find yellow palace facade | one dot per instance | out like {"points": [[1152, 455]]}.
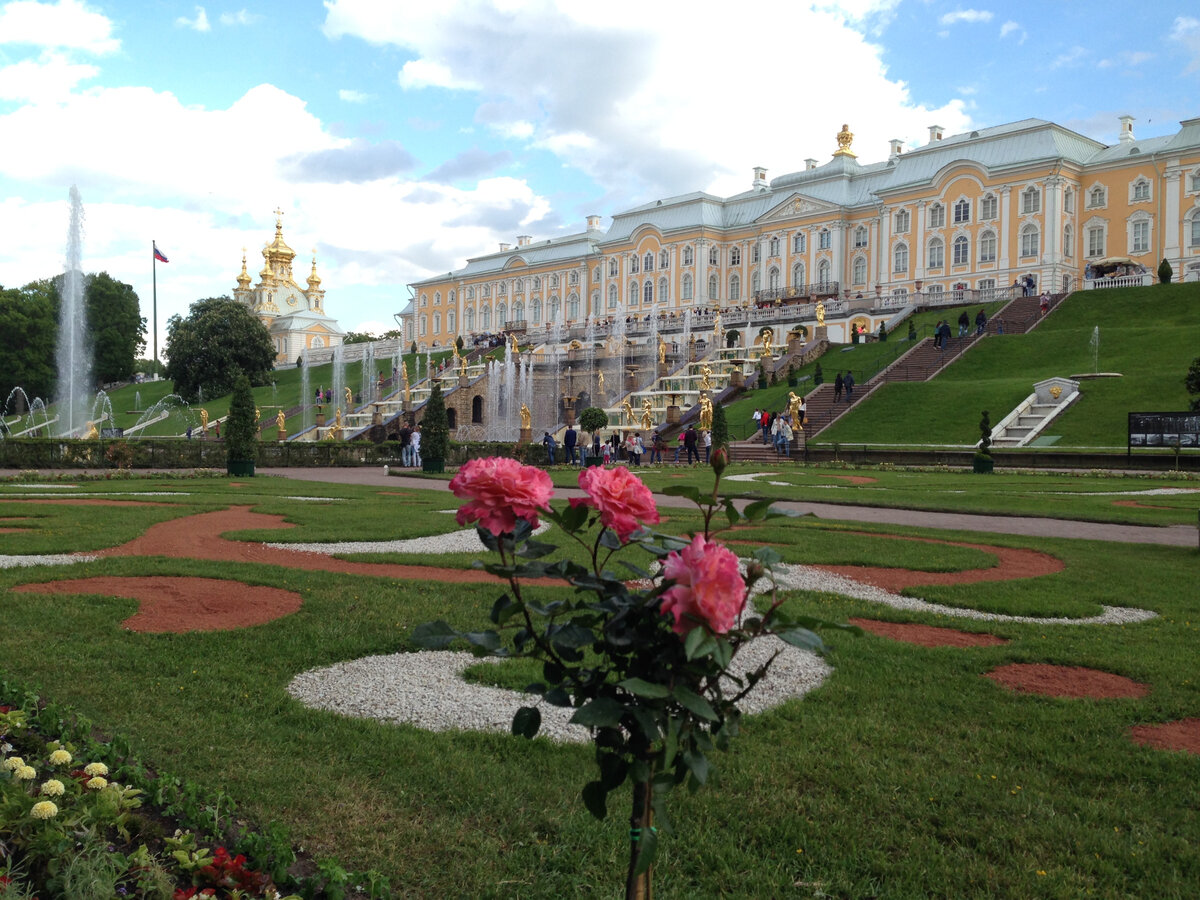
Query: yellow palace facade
{"points": [[969, 212]]}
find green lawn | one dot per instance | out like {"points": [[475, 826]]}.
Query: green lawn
{"points": [[905, 775]]}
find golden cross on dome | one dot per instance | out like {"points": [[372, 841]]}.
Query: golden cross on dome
{"points": [[278, 217]]}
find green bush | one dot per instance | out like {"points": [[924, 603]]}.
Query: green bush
{"points": [[435, 426], [593, 419], [1165, 272], [241, 431]]}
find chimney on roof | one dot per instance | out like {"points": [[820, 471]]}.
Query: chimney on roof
{"points": [[1126, 129], [810, 164], [593, 223], [504, 246], [897, 147], [524, 240], [760, 177], [935, 133]]}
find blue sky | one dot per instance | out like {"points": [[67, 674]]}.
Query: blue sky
{"points": [[401, 138]]}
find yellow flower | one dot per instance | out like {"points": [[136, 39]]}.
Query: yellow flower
{"points": [[25, 773], [44, 810], [96, 769], [13, 763], [97, 784], [60, 758], [53, 788]]}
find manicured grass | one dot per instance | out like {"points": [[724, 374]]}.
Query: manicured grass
{"points": [[905, 775]]}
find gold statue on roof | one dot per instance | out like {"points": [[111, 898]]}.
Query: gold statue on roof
{"points": [[845, 137]]}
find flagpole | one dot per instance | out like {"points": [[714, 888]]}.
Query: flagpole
{"points": [[154, 281]]}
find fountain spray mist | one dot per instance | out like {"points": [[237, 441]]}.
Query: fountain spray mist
{"points": [[74, 355]]}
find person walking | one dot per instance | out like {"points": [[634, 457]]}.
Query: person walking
{"points": [[657, 446], [707, 445], [839, 385], [945, 334], [596, 444], [689, 444], [964, 323], [765, 421], [980, 321], [777, 434], [550, 444], [937, 335], [848, 384], [786, 433], [679, 444], [569, 441], [406, 433], [415, 440]]}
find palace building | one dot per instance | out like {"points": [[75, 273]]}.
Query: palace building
{"points": [[294, 315], [966, 212]]}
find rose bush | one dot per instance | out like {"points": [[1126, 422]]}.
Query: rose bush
{"points": [[644, 663]]}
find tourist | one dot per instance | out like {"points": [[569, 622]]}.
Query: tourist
{"points": [[944, 333], [964, 323], [606, 452], [980, 321], [550, 444], [415, 440], [596, 444], [839, 384], [786, 434], [803, 412], [569, 441], [406, 454], [765, 422], [631, 450], [1044, 304], [757, 417], [657, 446], [848, 381], [679, 445], [689, 444], [707, 445]]}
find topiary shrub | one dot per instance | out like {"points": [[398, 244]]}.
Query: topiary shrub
{"points": [[720, 427], [241, 431], [1165, 272], [983, 462], [883, 331], [593, 420], [818, 375], [435, 426]]}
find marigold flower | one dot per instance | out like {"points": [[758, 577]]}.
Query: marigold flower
{"points": [[53, 788], [60, 758], [501, 492], [96, 769], [97, 783], [620, 496], [25, 773], [708, 587], [44, 809], [13, 763]]}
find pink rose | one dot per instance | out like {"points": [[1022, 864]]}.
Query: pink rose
{"points": [[621, 497], [708, 588], [501, 491]]}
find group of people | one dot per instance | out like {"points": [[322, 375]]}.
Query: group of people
{"points": [[410, 445], [843, 383], [964, 322], [632, 447], [779, 429]]}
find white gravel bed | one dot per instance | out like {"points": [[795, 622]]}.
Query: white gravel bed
{"points": [[105, 495], [318, 499], [465, 541], [50, 559]]}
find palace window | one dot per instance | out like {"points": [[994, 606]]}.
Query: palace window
{"points": [[422, 326], [487, 290], [774, 246], [1139, 191], [1095, 241], [537, 279], [519, 286], [735, 256], [451, 321], [555, 308], [518, 312], [469, 318], [633, 293], [1096, 198], [714, 256], [648, 292], [437, 323], [713, 287], [664, 259], [424, 300], [635, 264], [1194, 240], [902, 220], [437, 298], [686, 287], [553, 281], [612, 268], [1068, 201], [773, 279], [860, 236], [1031, 201], [962, 212], [662, 290], [1139, 236], [572, 308], [937, 215], [501, 314], [535, 312], [755, 283], [824, 239], [573, 279], [962, 250], [688, 256], [755, 252], [1195, 180], [934, 291], [648, 263], [987, 246], [900, 259], [823, 273], [735, 288], [612, 296], [800, 241], [935, 256], [596, 274], [470, 293], [502, 290], [798, 275], [1068, 241], [1030, 241], [860, 270], [988, 207]]}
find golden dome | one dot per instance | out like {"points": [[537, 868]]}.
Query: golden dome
{"points": [[278, 250], [243, 280], [314, 280]]}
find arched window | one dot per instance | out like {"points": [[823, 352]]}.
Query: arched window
{"points": [[735, 256], [935, 254], [518, 313], [612, 268], [987, 207], [633, 293], [424, 300], [485, 317], [648, 292], [451, 412], [686, 287], [735, 287], [688, 256], [755, 283], [555, 310], [987, 246], [1031, 201], [860, 236], [798, 275], [900, 259], [535, 311], [774, 249], [612, 296], [713, 287], [501, 314], [519, 286], [1030, 241], [663, 296], [469, 318], [962, 212], [437, 298], [823, 273], [664, 259], [1139, 191], [470, 293], [477, 410], [487, 290], [937, 215], [648, 263], [962, 250], [773, 279], [1068, 241], [1096, 197], [452, 297], [901, 220], [714, 255], [756, 251], [860, 270], [572, 308], [553, 281], [799, 243]]}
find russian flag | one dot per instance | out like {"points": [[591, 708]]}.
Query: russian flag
{"points": [[159, 255]]}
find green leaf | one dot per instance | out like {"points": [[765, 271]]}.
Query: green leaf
{"points": [[722, 654], [595, 798], [433, 635], [647, 722], [571, 635], [504, 609], [694, 703], [603, 712], [698, 643], [802, 638], [731, 513], [671, 744], [697, 764], [535, 549], [642, 688], [767, 556], [571, 519], [757, 509], [609, 540], [647, 850], [689, 491], [526, 722], [487, 640]]}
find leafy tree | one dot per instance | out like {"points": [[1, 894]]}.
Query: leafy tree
{"points": [[593, 420], [435, 426], [219, 338], [1192, 382], [458, 343], [28, 332], [1165, 272], [358, 337], [241, 431], [116, 327], [720, 427], [150, 367]]}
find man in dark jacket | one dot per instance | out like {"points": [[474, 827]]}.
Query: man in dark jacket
{"points": [[689, 444], [569, 441], [848, 384]]}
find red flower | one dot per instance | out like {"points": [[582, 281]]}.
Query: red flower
{"points": [[621, 497], [501, 491], [708, 587]]}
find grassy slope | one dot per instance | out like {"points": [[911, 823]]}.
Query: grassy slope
{"points": [[1146, 334]]}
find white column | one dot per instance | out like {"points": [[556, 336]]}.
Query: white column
{"points": [[1053, 220], [837, 236], [1004, 226], [700, 289], [1171, 224], [919, 242], [883, 261]]}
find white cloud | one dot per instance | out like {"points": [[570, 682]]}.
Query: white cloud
{"points": [[241, 17], [1186, 31], [44, 80], [67, 25], [199, 23], [1069, 58], [1008, 28], [966, 15], [611, 88], [349, 96]]}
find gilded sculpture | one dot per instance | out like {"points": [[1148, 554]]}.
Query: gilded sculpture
{"points": [[526, 417], [706, 413], [794, 408], [647, 418], [706, 378], [845, 138], [280, 419], [820, 313]]}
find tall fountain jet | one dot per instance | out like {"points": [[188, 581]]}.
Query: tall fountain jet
{"points": [[75, 387]]}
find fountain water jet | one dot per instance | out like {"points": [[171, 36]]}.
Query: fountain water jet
{"points": [[73, 354]]}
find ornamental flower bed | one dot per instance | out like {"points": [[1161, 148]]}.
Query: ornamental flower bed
{"points": [[644, 663]]}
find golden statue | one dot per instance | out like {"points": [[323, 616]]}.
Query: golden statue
{"points": [[706, 413], [349, 401], [717, 322], [204, 419], [512, 343], [845, 138], [706, 377], [462, 365], [820, 313], [662, 351], [90, 432], [647, 418], [600, 382], [526, 417], [338, 419], [766, 343], [794, 408], [280, 420], [628, 409]]}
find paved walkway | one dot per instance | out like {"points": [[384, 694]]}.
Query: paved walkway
{"points": [[1171, 535]]}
